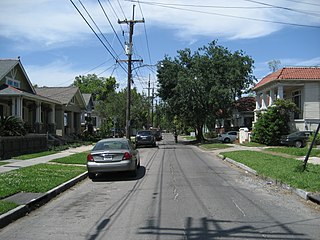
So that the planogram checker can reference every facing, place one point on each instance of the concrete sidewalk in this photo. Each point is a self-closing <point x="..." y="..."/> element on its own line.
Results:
<point x="16" y="164"/>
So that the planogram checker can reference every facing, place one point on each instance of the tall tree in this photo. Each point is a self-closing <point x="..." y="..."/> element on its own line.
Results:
<point x="199" y="85"/>
<point x="99" y="87"/>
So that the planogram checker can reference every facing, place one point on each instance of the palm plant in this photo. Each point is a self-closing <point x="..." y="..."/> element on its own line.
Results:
<point x="11" y="126"/>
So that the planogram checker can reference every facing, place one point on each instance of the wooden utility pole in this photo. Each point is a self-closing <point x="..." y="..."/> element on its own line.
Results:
<point x="129" y="54"/>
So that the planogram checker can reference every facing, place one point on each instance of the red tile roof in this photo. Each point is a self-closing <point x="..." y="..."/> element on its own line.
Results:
<point x="291" y="73"/>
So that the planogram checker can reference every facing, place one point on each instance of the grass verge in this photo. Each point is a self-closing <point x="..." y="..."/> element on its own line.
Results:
<point x="252" y="144"/>
<point x="295" y="151"/>
<point x="213" y="146"/>
<point x="3" y="163"/>
<point x="286" y="170"/>
<point x="39" y="178"/>
<point x="77" y="158"/>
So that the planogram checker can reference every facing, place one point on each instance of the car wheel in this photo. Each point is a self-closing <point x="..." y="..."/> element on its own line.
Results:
<point x="298" y="144"/>
<point x="227" y="140"/>
<point x="91" y="175"/>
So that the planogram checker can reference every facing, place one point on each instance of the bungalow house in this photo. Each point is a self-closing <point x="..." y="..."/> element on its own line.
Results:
<point x="43" y="110"/>
<point x="68" y="118"/>
<point x="301" y="85"/>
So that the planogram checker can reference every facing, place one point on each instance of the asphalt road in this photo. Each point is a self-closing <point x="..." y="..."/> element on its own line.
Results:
<point x="181" y="193"/>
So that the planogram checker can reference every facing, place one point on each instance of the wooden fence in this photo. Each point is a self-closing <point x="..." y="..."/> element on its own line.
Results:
<point x="15" y="146"/>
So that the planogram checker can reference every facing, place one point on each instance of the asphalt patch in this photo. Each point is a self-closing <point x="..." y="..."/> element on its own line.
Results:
<point x="23" y="197"/>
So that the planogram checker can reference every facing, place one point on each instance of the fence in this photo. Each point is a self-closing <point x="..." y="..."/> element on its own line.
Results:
<point x="15" y="146"/>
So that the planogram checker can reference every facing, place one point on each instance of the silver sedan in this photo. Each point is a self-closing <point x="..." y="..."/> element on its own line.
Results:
<point x="113" y="155"/>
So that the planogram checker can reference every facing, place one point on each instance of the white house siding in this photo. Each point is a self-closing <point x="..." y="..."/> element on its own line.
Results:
<point x="312" y="103"/>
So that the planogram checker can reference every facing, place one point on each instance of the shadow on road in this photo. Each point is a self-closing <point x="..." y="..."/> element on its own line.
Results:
<point x="120" y="176"/>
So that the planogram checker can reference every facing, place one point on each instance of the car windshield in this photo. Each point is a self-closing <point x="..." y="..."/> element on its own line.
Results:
<point x="111" y="145"/>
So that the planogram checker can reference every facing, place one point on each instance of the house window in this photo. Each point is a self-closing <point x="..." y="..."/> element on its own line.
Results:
<point x="12" y="82"/>
<point x="296" y="98"/>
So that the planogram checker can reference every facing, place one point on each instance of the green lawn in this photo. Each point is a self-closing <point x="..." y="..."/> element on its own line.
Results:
<point x="77" y="158"/>
<point x="252" y="144"/>
<point x="3" y="163"/>
<point x="38" y="178"/>
<point x="294" y="151"/>
<point x="286" y="170"/>
<point x="213" y="146"/>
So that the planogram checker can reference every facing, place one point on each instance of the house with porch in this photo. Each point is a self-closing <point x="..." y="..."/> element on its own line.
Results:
<point x="43" y="110"/>
<point x="299" y="84"/>
<point x="90" y="115"/>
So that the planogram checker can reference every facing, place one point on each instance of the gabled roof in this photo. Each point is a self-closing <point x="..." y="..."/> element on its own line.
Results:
<point x="86" y="97"/>
<point x="291" y="73"/>
<point x="62" y="94"/>
<point x="6" y="65"/>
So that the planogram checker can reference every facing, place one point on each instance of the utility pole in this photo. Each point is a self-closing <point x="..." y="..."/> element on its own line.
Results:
<point x="129" y="54"/>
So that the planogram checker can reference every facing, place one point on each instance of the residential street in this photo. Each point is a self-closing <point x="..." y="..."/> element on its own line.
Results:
<point x="181" y="192"/>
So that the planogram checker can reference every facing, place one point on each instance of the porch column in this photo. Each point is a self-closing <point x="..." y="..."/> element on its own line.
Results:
<point x="38" y="112"/>
<point x="13" y="107"/>
<point x="264" y="100"/>
<point x="271" y="97"/>
<point x="53" y="114"/>
<point x="258" y="102"/>
<point x="280" y="92"/>
<point x="52" y="119"/>
<point x="38" y="124"/>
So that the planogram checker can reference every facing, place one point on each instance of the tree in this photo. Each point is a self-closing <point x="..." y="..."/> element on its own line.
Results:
<point x="113" y="109"/>
<point x="99" y="87"/>
<point x="203" y="85"/>
<point x="274" y="65"/>
<point x="274" y="123"/>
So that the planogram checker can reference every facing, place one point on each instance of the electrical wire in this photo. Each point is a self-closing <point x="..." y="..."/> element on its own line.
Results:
<point x="226" y="15"/>
<point x="96" y="33"/>
<point x="105" y="14"/>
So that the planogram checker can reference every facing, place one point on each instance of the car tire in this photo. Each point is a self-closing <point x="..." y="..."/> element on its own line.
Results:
<point x="227" y="140"/>
<point x="92" y="175"/>
<point x="298" y="144"/>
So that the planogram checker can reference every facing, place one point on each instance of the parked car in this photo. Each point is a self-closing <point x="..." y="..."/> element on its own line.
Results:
<point x="297" y="139"/>
<point x="228" y="136"/>
<point x="113" y="155"/>
<point x="145" y="137"/>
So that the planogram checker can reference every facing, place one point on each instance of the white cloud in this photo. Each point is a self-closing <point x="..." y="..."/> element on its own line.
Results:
<point x="51" y="23"/>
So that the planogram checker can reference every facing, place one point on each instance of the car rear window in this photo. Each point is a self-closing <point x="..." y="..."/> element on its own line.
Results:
<point x="110" y="145"/>
<point x="144" y="133"/>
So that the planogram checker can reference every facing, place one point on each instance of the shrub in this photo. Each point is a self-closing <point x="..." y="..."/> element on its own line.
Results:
<point x="272" y="124"/>
<point x="12" y="126"/>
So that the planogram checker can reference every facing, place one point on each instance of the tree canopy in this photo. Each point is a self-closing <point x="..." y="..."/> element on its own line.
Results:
<point x="99" y="87"/>
<point x="201" y="85"/>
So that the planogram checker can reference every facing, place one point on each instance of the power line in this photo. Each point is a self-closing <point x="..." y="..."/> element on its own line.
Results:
<point x="111" y="24"/>
<point x="96" y="33"/>
<point x="226" y="15"/>
<point x="97" y="27"/>
<point x="282" y="8"/>
<point x="145" y="31"/>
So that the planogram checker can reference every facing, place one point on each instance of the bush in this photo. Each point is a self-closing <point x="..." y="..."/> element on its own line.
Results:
<point x="12" y="126"/>
<point x="211" y="135"/>
<point x="272" y="124"/>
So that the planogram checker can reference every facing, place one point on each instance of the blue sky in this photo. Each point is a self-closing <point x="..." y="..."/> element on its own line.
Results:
<point x="55" y="44"/>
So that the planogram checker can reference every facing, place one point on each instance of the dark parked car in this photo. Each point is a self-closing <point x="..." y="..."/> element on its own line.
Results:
<point x="113" y="155"/>
<point x="145" y="137"/>
<point x="296" y="139"/>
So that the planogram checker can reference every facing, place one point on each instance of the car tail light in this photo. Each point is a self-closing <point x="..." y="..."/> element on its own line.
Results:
<point x="126" y="156"/>
<point x="90" y="158"/>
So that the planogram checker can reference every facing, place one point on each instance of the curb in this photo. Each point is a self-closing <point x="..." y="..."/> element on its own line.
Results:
<point x="299" y="192"/>
<point x="21" y="211"/>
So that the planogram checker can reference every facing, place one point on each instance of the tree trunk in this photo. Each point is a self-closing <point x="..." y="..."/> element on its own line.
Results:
<point x="199" y="135"/>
